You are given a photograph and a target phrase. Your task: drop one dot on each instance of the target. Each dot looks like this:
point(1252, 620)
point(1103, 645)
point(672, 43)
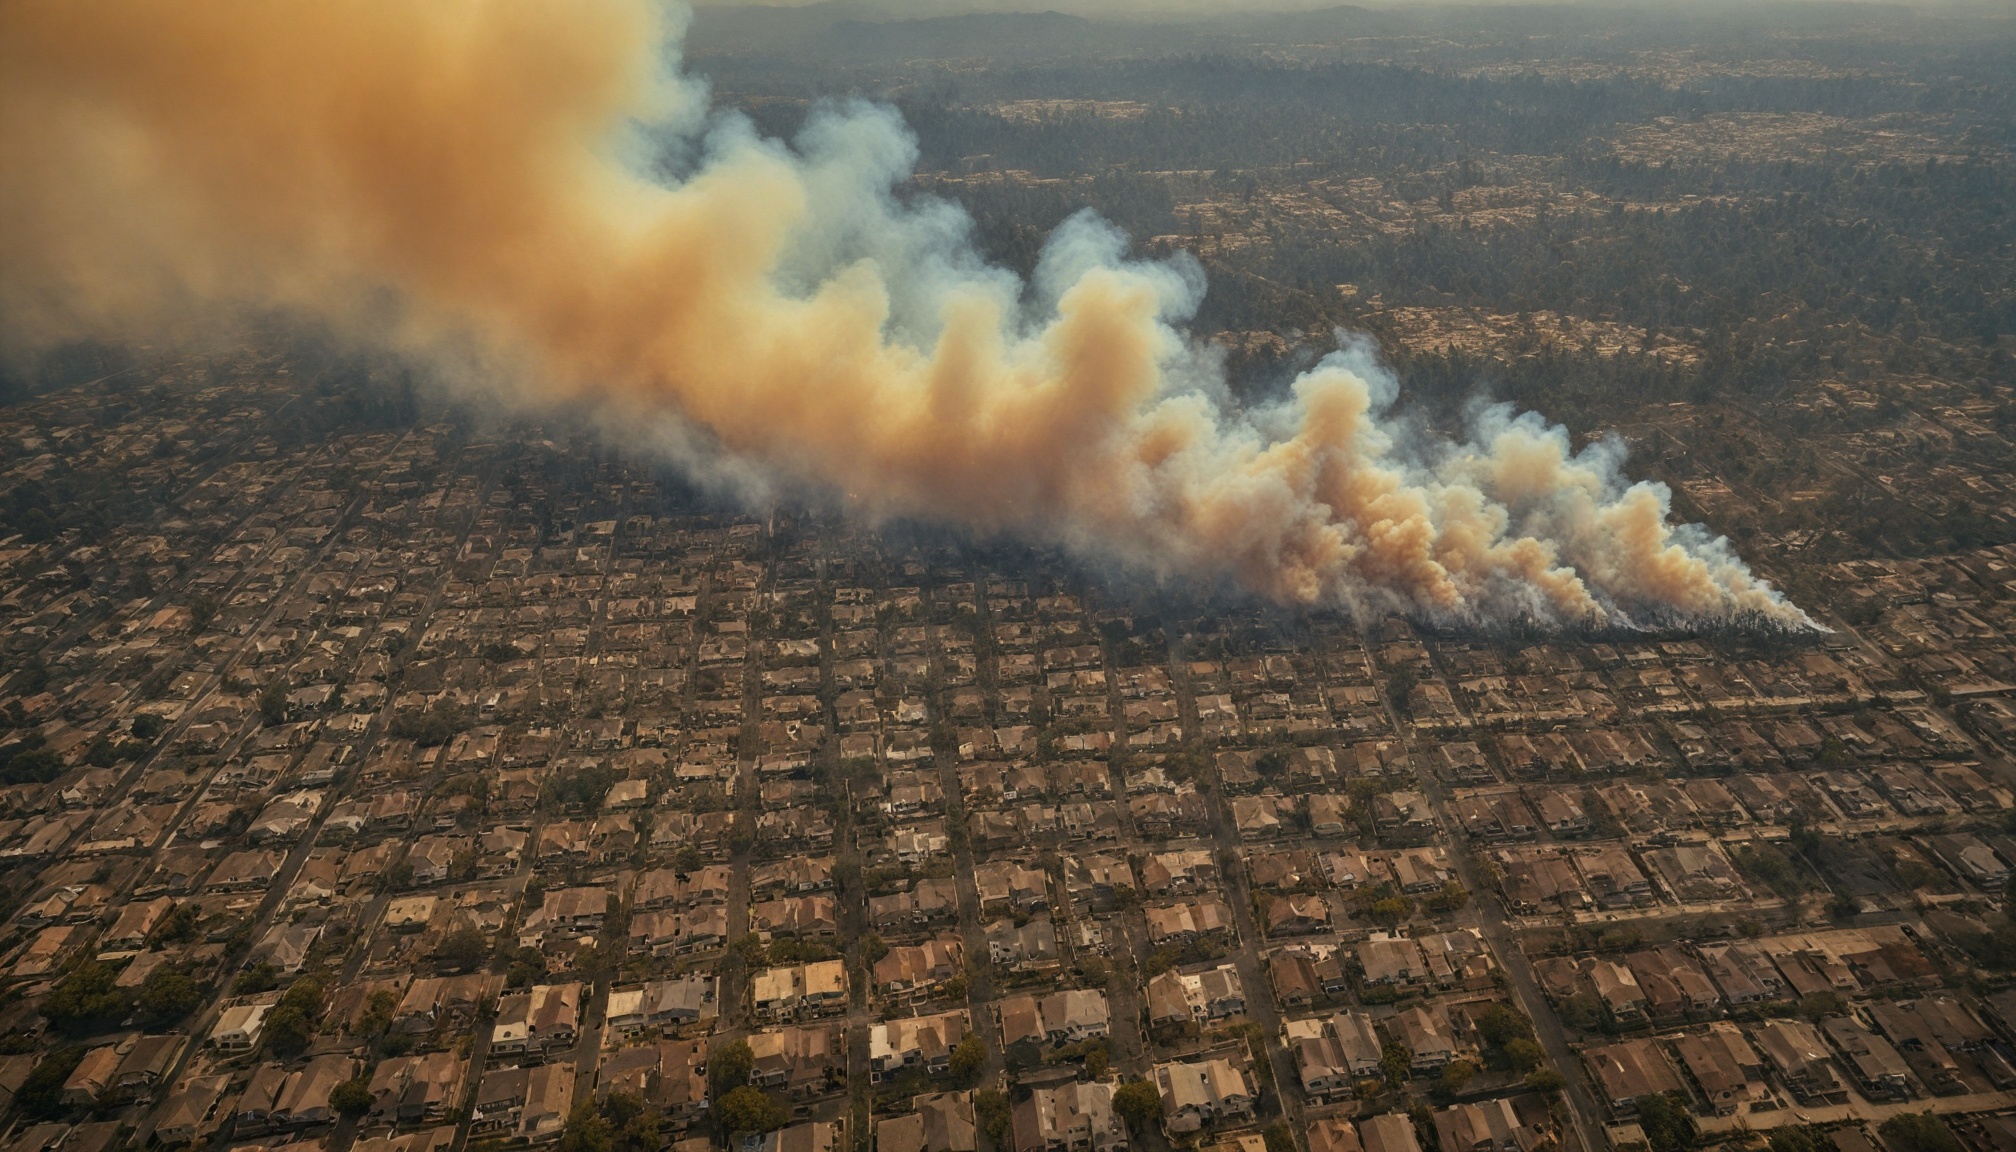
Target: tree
point(262, 978)
point(377, 1014)
point(586, 1130)
point(41, 1095)
point(873, 948)
point(1139, 1104)
point(1818, 1006)
point(178, 927)
point(1397, 1062)
point(1800, 1138)
point(728, 1067)
point(1390, 911)
point(168, 996)
point(1546, 1080)
point(1456, 1076)
point(288, 1031)
point(86, 998)
point(1668, 1127)
point(351, 1097)
point(749, 1109)
point(990, 1108)
point(967, 1057)
point(527, 966)
point(1278, 1137)
point(1917, 1132)
point(1524, 1055)
point(1096, 1061)
point(273, 704)
point(304, 995)
point(463, 950)
point(955, 988)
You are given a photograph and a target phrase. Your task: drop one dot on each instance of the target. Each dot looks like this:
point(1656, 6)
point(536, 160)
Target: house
point(1802, 1060)
point(549, 1097)
point(936, 1122)
point(810, 1136)
point(1392, 960)
point(1187, 920)
point(1333, 1134)
point(1878, 1067)
point(539, 1019)
point(191, 1115)
point(1201, 1093)
point(803, 1061)
point(500, 1100)
point(1631, 1071)
point(1426, 1034)
point(136, 922)
point(1010, 885)
point(915, 1042)
point(1072, 1117)
point(1067, 1017)
point(1390, 1132)
point(146, 1065)
point(93, 1077)
point(1333, 1053)
point(814, 989)
point(1724, 1066)
point(239, 1026)
point(304, 1099)
point(908, 971)
point(1488, 1126)
point(1030, 947)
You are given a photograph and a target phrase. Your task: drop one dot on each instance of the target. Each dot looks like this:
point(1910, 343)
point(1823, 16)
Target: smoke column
point(462, 178)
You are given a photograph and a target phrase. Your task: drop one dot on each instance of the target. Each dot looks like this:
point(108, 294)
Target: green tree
point(41, 1095)
point(873, 948)
point(1818, 1006)
point(990, 1109)
point(304, 995)
point(586, 1130)
point(1668, 1127)
point(351, 1097)
point(167, 996)
point(1390, 911)
point(1456, 1076)
point(1800, 1138)
point(1278, 1137)
point(1139, 1104)
point(1096, 1061)
point(463, 950)
point(1917, 1132)
point(967, 1057)
point(86, 998)
point(178, 927)
point(377, 1014)
point(288, 1031)
point(1546, 1080)
point(1397, 1062)
point(1524, 1055)
point(749, 1109)
point(728, 1067)
point(252, 981)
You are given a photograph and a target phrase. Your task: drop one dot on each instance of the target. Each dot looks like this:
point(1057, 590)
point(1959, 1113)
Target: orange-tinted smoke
point(454, 175)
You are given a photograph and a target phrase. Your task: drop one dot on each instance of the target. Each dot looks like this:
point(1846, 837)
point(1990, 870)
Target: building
point(1205, 1092)
point(1074, 1117)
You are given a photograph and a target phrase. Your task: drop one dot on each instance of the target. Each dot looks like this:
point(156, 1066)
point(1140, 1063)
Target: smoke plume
point(468, 178)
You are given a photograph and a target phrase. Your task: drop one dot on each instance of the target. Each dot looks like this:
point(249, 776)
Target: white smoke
point(777, 310)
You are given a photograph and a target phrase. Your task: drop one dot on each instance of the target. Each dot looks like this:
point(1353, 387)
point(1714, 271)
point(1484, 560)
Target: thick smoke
point(464, 177)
